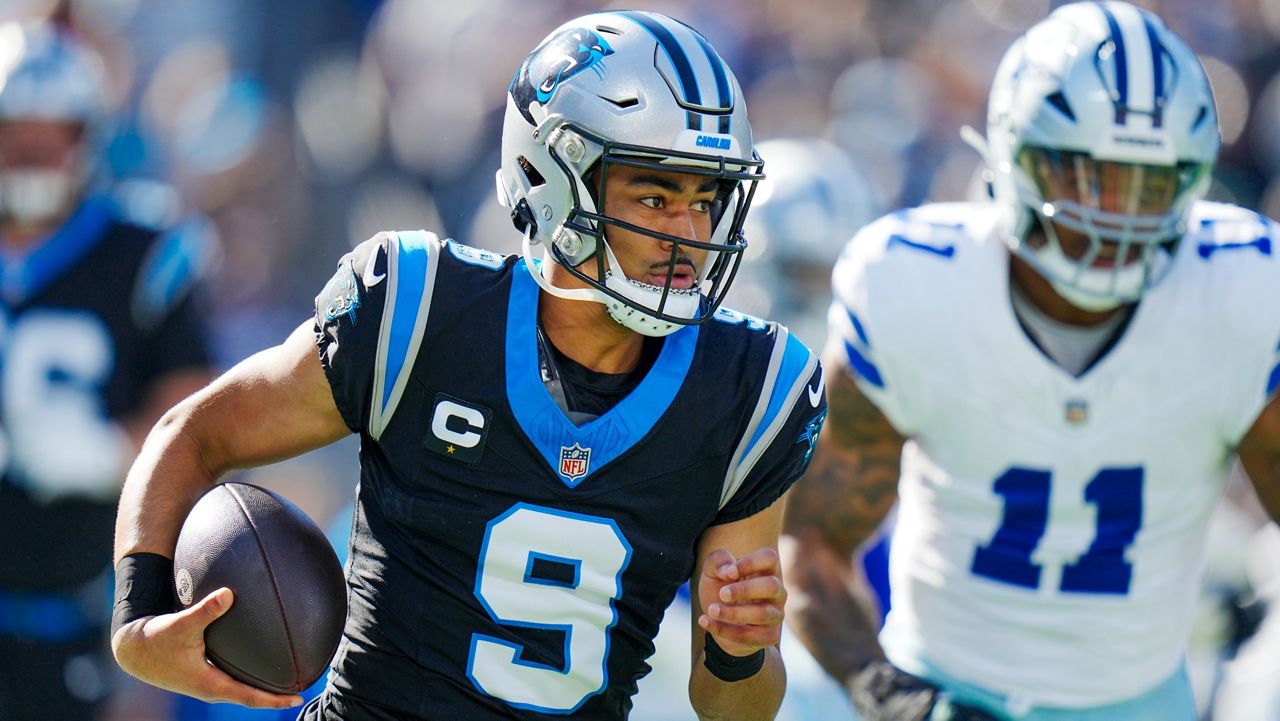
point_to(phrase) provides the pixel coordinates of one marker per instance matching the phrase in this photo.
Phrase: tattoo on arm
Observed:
(852, 481)
(842, 500)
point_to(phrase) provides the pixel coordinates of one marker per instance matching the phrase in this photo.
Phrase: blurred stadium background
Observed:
(298, 128)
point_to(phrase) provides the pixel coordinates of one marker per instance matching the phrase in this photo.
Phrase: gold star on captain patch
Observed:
(449, 449)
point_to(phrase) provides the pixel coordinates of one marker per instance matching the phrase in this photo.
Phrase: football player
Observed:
(1053, 387)
(98, 336)
(551, 445)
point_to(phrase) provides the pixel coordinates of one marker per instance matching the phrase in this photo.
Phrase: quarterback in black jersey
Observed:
(551, 446)
(98, 336)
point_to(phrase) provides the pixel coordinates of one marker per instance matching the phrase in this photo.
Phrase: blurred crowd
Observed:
(298, 128)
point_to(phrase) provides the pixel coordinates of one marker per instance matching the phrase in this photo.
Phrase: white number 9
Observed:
(552, 569)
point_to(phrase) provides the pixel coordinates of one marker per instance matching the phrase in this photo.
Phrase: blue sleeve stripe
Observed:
(785, 383)
(1274, 381)
(410, 282)
(794, 360)
(863, 367)
(857, 328)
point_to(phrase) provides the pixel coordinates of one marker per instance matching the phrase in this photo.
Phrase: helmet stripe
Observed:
(1157, 71)
(679, 60)
(722, 81)
(1122, 66)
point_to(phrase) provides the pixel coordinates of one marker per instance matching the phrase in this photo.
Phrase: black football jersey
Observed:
(506, 563)
(89, 318)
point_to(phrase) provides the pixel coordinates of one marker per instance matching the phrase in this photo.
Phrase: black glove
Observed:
(883, 692)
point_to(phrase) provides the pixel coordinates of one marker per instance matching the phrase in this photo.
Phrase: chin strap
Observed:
(537, 269)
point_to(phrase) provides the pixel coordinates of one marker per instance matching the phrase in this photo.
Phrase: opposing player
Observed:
(550, 447)
(1072, 368)
(98, 336)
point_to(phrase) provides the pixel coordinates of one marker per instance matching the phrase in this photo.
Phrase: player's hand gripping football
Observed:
(168, 652)
(742, 600)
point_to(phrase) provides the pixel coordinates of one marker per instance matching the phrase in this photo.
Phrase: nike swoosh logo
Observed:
(371, 276)
(815, 392)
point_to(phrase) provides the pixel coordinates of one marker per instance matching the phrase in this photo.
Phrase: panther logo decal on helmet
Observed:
(555, 61)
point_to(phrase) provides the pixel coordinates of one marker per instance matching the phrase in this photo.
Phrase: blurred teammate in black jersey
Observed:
(97, 337)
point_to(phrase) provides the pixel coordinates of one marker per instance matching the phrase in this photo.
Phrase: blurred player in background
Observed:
(549, 447)
(1073, 368)
(98, 336)
(813, 200)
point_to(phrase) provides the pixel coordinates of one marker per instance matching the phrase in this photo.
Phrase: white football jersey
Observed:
(1049, 532)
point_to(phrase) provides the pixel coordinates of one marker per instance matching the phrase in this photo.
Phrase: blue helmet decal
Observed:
(553, 62)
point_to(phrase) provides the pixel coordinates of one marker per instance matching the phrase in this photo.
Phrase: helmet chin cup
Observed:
(34, 197)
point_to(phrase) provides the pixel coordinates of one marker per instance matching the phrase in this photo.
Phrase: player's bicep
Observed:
(1259, 453)
(852, 479)
(273, 405)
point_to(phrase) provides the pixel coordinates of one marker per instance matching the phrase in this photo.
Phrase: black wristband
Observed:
(727, 667)
(144, 587)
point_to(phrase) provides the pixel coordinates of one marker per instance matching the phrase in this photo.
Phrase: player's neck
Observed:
(584, 331)
(1038, 291)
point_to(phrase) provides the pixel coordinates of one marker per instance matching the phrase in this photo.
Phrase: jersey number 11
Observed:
(1117, 495)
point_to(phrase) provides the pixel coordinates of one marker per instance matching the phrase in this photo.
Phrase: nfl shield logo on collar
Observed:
(575, 461)
(1077, 411)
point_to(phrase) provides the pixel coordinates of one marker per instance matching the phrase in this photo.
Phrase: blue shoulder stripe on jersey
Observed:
(542, 421)
(1157, 70)
(942, 251)
(795, 358)
(54, 255)
(679, 60)
(864, 368)
(722, 79)
(1122, 65)
(411, 280)
(859, 362)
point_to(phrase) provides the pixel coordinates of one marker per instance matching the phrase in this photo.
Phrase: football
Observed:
(290, 596)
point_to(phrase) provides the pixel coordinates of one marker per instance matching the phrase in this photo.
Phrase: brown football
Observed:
(290, 597)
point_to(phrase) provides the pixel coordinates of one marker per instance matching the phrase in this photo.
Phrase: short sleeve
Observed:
(859, 327)
(780, 453)
(348, 318)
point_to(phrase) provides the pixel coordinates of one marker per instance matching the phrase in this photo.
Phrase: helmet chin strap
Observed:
(631, 318)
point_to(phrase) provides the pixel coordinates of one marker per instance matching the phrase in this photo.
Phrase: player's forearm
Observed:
(168, 476)
(752, 699)
(829, 608)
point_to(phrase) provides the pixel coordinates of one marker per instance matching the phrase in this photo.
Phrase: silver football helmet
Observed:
(1101, 126)
(46, 75)
(636, 89)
